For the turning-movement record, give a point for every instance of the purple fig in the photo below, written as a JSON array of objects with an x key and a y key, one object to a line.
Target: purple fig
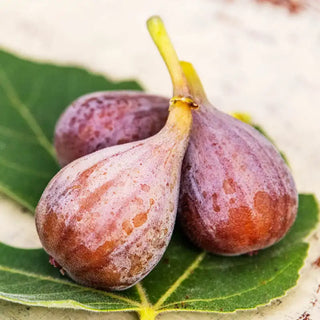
[
  {"x": 107, "y": 217},
  {"x": 104, "y": 119},
  {"x": 237, "y": 193}
]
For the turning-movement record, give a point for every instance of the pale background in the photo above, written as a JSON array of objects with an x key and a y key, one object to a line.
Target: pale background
[{"x": 251, "y": 57}]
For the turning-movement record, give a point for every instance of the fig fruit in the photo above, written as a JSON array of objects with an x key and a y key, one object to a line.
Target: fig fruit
[
  {"x": 107, "y": 218},
  {"x": 237, "y": 193},
  {"x": 104, "y": 119}
]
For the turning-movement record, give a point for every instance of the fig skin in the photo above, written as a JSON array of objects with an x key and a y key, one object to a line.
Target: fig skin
[
  {"x": 237, "y": 193},
  {"x": 107, "y": 217},
  {"x": 107, "y": 118}
]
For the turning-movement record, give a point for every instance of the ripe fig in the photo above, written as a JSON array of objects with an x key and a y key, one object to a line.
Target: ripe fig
[
  {"x": 237, "y": 193},
  {"x": 104, "y": 119},
  {"x": 107, "y": 217}
]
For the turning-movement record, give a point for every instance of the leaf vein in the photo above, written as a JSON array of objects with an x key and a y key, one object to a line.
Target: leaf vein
[
  {"x": 68, "y": 283},
  {"x": 5, "y": 190},
  {"x": 18, "y": 167},
  {"x": 18, "y": 135},
  {"x": 234, "y": 294},
  {"x": 142, "y": 294},
  {"x": 74, "y": 303},
  {"x": 194, "y": 265},
  {"x": 25, "y": 113}
]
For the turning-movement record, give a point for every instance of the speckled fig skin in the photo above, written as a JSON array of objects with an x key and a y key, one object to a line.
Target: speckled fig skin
[
  {"x": 107, "y": 217},
  {"x": 237, "y": 194},
  {"x": 103, "y": 119}
]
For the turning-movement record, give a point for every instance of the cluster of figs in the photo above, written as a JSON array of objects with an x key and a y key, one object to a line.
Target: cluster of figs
[{"x": 131, "y": 161}]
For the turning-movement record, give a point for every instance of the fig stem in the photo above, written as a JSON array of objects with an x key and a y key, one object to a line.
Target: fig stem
[
  {"x": 194, "y": 82},
  {"x": 162, "y": 41}
]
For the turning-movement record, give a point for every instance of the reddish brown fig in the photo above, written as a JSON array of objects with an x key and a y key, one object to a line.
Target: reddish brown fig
[
  {"x": 107, "y": 217},
  {"x": 104, "y": 119},
  {"x": 237, "y": 193}
]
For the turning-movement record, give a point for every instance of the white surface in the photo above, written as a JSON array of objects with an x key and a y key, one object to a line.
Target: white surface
[{"x": 251, "y": 57}]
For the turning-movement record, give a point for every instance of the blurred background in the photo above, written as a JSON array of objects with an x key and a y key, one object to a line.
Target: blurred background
[{"x": 255, "y": 56}]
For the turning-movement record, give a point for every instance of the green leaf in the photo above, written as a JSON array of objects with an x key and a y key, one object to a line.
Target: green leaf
[
  {"x": 32, "y": 96},
  {"x": 186, "y": 279}
]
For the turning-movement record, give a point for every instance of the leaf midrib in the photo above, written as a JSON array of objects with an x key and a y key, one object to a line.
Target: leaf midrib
[
  {"x": 68, "y": 283},
  {"x": 54, "y": 304}
]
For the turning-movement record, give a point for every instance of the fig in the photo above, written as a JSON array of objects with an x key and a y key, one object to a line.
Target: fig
[
  {"x": 104, "y": 119},
  {"x": 107, "y": 218},
  {"x": 237, "y": 193}
]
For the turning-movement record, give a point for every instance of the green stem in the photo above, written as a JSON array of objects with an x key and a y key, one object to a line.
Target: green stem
[
  {"x": 194, "y": 82},
  {"x": 161, "y": 39}
]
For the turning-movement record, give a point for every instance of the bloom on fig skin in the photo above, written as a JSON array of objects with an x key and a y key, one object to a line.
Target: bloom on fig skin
[
  {"x": 107, "y": 118},
  {"x": 237, "y": 193},
  {"x": 107, "y": 218}
]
